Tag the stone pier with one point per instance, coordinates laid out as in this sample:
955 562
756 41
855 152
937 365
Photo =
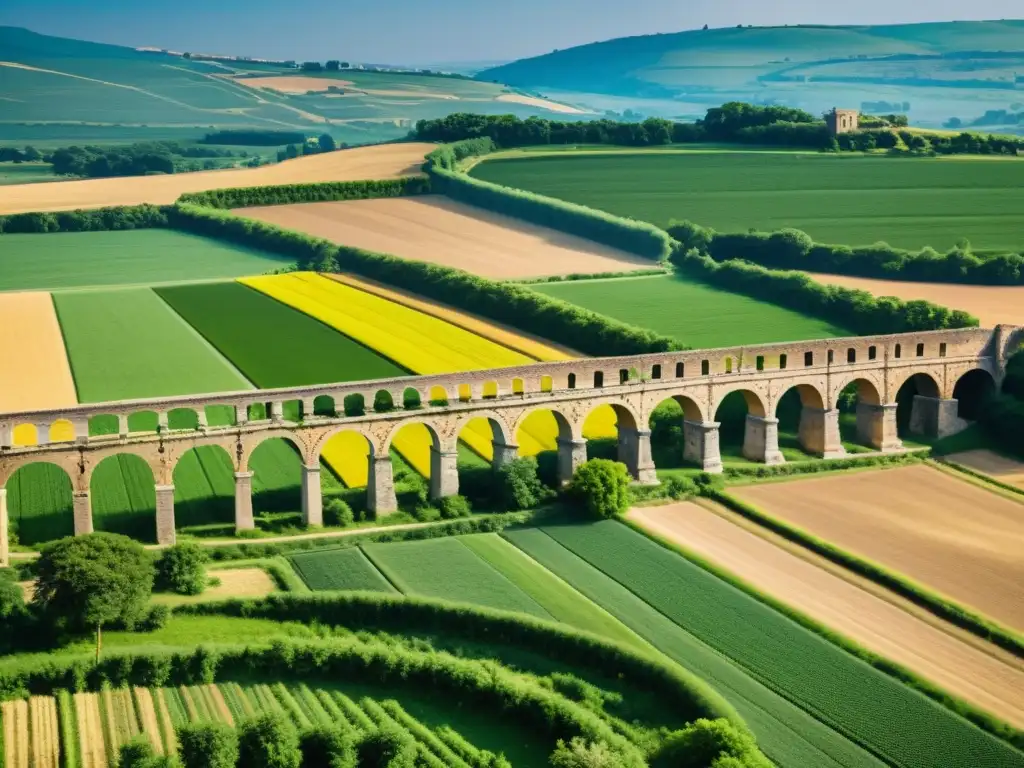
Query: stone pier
571 454
934 417
503 454
761 440
635 452
312 498
444 473
243 502
165 533
700 445
819 432
82 507
876 427
380 487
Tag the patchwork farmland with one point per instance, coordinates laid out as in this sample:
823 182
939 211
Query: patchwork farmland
835 199
442 231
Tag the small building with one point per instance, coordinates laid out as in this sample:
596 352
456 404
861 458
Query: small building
842 120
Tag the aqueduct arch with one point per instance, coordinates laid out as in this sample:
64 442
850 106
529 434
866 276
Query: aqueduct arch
698 379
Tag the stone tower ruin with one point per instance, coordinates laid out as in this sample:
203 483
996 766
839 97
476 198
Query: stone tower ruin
842 120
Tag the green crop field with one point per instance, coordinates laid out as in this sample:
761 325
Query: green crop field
25 173
271 343
852 200
788 735
340 569
39 502
448 569
698 315
828 683
149 256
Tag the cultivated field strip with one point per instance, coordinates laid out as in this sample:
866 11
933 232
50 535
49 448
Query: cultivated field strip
942 519
442 231
110 718
958 667
385 161
791 737
833 686
345 569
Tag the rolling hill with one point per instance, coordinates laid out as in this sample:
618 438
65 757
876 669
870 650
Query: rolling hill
943 69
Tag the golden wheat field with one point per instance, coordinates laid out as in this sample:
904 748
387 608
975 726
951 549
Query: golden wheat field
386 161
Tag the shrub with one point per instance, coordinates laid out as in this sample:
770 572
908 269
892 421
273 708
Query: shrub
138 753
703 743
155 618
386 748
427 513
519 487
680 487
207 745
327 746
14 616
580 754
182 569
452 507
268 741
338 513
601 487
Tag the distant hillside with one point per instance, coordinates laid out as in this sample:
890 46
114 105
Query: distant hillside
810 66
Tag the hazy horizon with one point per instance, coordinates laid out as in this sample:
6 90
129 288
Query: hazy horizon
451 31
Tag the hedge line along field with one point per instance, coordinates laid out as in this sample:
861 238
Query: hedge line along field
697 314
833 686
849 200
141 256
100 723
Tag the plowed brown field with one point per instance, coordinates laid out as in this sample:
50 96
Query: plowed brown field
442 231
991 304
962 669
1002 468
385 161
946 533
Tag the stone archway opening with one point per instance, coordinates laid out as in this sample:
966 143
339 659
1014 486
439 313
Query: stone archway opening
280 481
861 416
40 503
671 422
547 435
347 457
972 392
746 432
424 469
484 447
122 491
807 427
204 491
916 392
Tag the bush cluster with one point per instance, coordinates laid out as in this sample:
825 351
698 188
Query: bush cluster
533 312
518 486
447 156
637 237
182 569
102 219
241 197
793 249
601 488
859 311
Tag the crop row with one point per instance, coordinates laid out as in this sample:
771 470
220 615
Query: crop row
87 730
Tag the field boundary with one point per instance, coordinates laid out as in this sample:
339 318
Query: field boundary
290 194
941 606
981 477
978 717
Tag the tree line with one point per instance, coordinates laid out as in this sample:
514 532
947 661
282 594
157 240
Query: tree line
140 159
1002 417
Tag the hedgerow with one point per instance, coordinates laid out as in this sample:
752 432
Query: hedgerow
101 219
241 197
447 156
586 331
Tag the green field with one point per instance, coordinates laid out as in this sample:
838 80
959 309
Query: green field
25 173
271 343
340 569
822 679
696 314
851 200
143 256
448 569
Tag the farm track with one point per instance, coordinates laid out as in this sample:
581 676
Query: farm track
917 521
441 231
385 161
963 670
991 304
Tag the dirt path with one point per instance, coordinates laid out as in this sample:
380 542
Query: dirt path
383 161
991 304
878 625
917 521
442 231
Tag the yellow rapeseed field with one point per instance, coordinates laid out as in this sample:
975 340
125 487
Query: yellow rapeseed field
425 344
35 374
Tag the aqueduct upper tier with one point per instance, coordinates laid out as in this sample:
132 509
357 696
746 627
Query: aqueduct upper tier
699 380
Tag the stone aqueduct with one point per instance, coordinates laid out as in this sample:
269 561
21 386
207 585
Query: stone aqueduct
634 386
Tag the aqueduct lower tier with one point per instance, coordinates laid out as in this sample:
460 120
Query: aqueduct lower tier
699 380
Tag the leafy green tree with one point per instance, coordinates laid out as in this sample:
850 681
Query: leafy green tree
87 582
601 487
714 743
519 487
338 513
139 753
386 747
452 507
182 569
14 616
582 754
327 143
269 741
327 746
207 745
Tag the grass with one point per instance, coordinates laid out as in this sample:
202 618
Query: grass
149 256
855 200
25 173
822 679
340 569
694 313
448 569
556 597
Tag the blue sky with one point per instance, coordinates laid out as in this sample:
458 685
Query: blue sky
427 31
